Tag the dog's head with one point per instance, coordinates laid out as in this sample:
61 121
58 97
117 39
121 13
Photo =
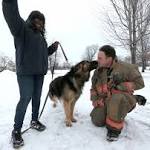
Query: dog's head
83 68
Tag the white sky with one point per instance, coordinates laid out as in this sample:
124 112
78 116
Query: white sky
72 22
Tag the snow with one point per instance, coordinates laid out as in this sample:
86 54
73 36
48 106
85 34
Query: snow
83 135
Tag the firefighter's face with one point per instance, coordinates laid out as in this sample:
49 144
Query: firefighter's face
103 60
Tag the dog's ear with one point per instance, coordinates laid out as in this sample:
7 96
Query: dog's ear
75 68
72 69
78 67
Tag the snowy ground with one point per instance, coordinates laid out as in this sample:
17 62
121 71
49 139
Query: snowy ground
83 135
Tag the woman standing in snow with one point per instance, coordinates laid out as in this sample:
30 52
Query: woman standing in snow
31 63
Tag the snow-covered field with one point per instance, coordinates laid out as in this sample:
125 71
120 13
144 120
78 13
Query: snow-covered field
83 135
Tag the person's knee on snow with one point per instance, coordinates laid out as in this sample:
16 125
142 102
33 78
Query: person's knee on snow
117 107
98 116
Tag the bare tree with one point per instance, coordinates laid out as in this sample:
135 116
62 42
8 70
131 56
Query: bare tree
125 25
90 52
3 63
53 61
66 65
11 66
143 24
7 63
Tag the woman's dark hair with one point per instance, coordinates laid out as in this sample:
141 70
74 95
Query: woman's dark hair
33 15
109 51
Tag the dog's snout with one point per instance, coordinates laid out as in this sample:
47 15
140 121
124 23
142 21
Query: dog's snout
94 65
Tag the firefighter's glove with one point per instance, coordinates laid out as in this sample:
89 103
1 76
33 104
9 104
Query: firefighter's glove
116 78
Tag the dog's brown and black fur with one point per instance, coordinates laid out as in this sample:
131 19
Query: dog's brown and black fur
68 88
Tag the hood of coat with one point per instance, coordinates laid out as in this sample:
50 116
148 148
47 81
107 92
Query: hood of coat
36 21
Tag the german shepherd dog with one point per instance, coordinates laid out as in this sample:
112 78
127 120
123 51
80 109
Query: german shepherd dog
69 87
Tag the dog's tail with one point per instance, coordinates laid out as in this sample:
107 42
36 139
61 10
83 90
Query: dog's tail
52 97
141 100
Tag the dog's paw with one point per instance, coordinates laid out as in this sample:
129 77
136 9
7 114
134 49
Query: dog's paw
54 105
74 120
68 123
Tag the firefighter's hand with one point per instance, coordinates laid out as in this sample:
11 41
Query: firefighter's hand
98 103
116 78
